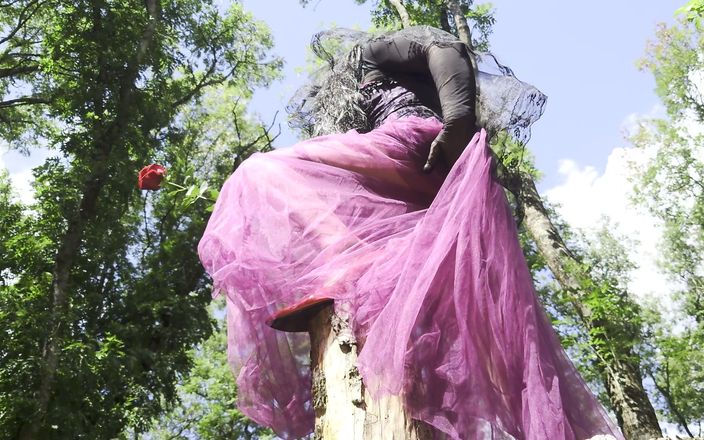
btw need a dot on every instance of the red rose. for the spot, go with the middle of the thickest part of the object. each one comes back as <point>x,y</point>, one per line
<point>150,177</point>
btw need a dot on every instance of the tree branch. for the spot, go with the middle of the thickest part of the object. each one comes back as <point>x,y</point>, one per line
<point>670,403</point>
<point>18,70</point>
<point>445,20</point>
<point>27,100</point>
<point>402,12</point>
<point>24,16</point>
<point>243,150</point>
<point>203,83</point>
<point>460,22</point>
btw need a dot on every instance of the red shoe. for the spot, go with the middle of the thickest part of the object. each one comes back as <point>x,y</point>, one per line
<point>296,318</point>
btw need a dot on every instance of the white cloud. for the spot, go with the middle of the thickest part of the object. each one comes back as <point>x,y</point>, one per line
<point>20,170</point>
<point>22,184</point>
<point>631,123</point>
<point>585,196</point>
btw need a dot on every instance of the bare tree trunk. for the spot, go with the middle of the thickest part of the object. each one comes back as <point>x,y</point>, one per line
<point>70,243</point>
<point>621,371</point>
<point>344,409</point>
<point>402,12</point>
<point>460,22</point>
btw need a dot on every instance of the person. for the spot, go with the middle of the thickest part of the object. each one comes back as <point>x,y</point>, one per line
<point>401,225</point>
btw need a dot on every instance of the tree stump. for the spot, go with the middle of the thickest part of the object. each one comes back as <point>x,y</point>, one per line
<point>344,409</point>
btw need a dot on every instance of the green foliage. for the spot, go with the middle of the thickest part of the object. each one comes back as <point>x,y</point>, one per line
<point>676,168</point>
<point>434,13</point>
<point>675,357</point>
<point>613,331</point>
<point>671,185</point>
<point>126,87</point>
<point>606,261</point>
<point>513,162</point>
<point>675,62</point>
<point>692,11</point>
<point>21,26</point>
<point>206,399</point>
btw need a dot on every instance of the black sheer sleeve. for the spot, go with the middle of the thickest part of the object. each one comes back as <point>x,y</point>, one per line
<point>451,71</point>
<point>449,67</point>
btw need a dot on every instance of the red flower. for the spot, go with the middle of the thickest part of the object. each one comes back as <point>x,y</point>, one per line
<point>150,177</point>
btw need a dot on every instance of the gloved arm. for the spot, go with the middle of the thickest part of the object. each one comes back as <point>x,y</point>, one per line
<point>453,76</point>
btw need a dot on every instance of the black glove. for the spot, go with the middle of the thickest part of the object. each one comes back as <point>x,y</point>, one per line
<point>450,143</point>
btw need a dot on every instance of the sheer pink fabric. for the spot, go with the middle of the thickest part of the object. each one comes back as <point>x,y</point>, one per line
<point>428,267</point>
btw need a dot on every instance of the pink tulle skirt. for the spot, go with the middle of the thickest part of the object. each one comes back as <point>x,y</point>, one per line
<point>428,267</point>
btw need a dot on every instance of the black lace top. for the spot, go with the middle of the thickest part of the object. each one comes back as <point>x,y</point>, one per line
<point>386,98</point>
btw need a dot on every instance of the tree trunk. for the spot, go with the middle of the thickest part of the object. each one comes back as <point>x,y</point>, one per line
<point>621,371</point>
<point>344,409</point>
<point>59,290</point>
<point>460,22</point>
<point>402,12</point>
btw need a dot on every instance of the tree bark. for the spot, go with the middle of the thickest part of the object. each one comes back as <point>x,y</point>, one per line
<point>344,409</point>
<point>621,371</point>
<point>460,22</point>
<point>402,12</point>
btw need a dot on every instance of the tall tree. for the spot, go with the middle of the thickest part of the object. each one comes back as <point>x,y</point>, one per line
<point>610,337</point>
<point>449,15</point>
<point>103,295</point>
<point>671,185</point>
